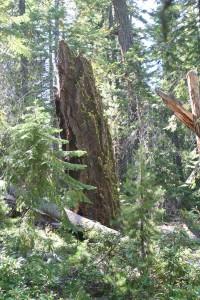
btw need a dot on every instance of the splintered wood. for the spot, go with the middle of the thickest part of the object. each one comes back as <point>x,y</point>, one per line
<point>190,119</point>
<point>193,88</point>
<point>180,112</point>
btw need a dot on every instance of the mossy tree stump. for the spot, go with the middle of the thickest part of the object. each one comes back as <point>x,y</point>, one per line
<point>80,112</point>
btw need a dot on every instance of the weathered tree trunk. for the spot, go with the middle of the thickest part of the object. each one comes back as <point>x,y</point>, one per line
<point>193,88</point>
<point>177,156</point>
<point>126,41</point>
<point>24,60</point>
<point>79,108</point>
<point>125,35</point>
<point>50,69</point>
<point>57,5</point>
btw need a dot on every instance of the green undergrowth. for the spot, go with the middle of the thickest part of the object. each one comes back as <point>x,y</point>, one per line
<point>50,264</point>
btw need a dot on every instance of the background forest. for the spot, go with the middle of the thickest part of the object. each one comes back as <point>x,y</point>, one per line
<point>147,166</point>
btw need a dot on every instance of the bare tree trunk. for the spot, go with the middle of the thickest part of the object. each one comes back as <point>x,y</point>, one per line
<point>51,81</point>
<point>22,7</point>
<point>56,29</point>
<point>193,87</point>
<point>79,108</point>
<point>125,36</point>
<point>177,156</point>
<point>24,60</point>
<point>54,34</point>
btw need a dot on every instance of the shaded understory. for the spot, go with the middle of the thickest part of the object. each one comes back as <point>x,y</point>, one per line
<point>46,264</point>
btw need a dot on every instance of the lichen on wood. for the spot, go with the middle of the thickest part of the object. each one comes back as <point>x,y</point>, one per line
<point>80,111</point>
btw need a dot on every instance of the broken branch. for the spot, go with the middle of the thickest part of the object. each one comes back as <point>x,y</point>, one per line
<point>180,112</point>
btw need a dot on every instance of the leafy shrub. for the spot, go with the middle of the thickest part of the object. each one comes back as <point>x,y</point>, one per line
<point>36,164</point>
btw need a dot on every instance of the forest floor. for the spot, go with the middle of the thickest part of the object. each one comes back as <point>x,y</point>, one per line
<point>172,227</point>
<point>48,264</point>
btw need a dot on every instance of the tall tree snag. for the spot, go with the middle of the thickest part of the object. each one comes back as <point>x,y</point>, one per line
<point>193,88</point>
<point>190,119</point>
<point>80,112</point>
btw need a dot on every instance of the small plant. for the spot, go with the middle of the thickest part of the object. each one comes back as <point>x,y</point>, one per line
<point>141,204</point>
<point>192,219</point>
<point>38,169</point>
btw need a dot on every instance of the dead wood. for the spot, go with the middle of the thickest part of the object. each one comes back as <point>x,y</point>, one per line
<point>177,108</point>
<point>193,88</point>
<point>50,211</point>
<point>87,224</point>
<point>79,109</point>
<point>190,119</point>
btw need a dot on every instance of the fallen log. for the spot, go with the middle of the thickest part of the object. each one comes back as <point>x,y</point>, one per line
<point>88,224</point>
<point>50,210</point>
<point>75,219</point>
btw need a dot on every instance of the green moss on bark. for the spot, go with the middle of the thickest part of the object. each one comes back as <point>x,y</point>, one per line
<point>81,110</point>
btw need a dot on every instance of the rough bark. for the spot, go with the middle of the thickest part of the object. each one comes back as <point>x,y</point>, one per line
<point>125,39</point>
<point>80,113</point>
<point>125,35</point>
